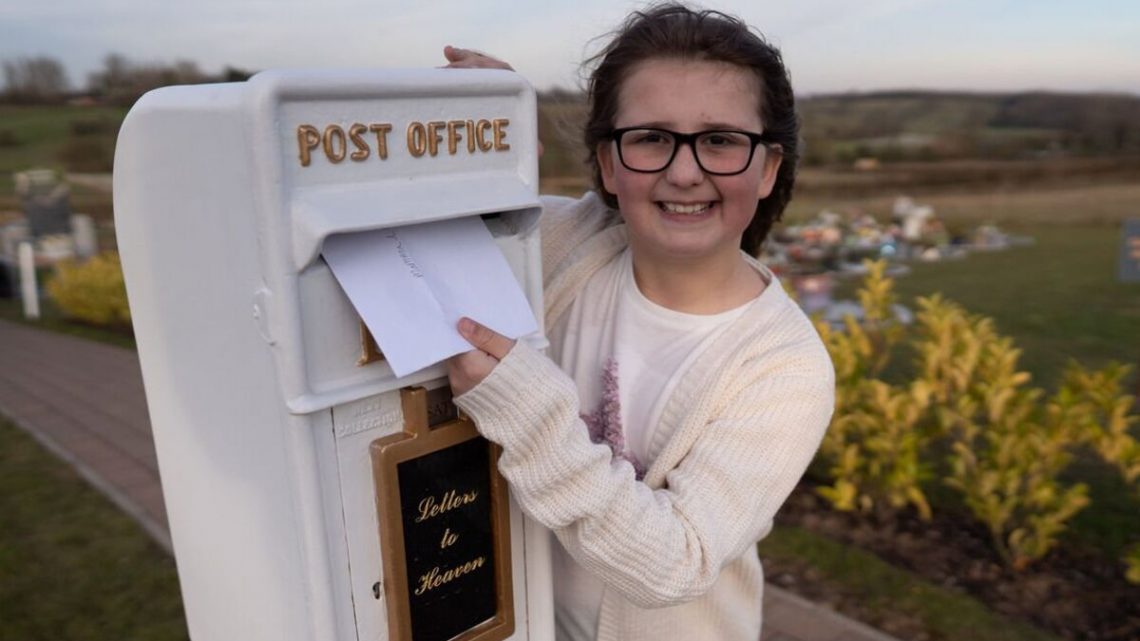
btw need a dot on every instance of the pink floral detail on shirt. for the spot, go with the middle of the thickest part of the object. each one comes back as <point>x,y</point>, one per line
<point>604,423</point>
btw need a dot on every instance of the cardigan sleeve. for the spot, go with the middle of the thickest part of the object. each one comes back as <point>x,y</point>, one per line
<point>658,547</point>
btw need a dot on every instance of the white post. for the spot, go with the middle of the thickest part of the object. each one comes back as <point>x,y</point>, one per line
<point>83,231</point>
<point>28,289</point>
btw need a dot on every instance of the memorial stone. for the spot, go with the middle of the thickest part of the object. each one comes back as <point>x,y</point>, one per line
<point>45,201</point>
<point>1129,269</point>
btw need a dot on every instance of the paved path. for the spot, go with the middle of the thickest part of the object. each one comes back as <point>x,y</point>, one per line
<point>84,401</point>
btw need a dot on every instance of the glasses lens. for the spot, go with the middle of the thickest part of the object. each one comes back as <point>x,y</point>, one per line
<point>718,152</point>
<point>646,149</point>
<point>724,152</point>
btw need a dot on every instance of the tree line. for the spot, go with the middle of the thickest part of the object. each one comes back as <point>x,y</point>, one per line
<point>120,81</point>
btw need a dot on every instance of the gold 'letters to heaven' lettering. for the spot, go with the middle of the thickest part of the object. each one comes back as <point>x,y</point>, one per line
<point>423,138</point>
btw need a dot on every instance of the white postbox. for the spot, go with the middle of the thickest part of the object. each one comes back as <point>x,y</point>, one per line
<point>264,403</point>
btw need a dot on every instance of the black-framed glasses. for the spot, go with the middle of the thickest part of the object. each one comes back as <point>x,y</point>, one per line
<point>719,152</point>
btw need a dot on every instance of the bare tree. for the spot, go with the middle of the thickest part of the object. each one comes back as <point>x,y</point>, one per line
<point>32,80</point>
<point>122,81</point>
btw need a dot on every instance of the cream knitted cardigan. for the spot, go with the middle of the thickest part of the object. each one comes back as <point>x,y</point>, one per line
<point>676,551</point>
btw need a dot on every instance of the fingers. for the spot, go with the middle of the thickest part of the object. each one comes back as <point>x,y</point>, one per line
<point>458,58</point>
<point>466,370</point>
<point>453,54</point>
<point>484,338</point>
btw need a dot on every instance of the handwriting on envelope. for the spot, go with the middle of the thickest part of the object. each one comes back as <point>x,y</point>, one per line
<point>412,284</point>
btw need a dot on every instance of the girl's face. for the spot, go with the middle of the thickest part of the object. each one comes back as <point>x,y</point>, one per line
<point>681,212</point>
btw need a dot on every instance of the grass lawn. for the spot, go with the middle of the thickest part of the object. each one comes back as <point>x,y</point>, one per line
<point>53,320</point>
<point>1059,299</point>
<point>885,595</point>
<point>72,566</point>
<point>39,133</point>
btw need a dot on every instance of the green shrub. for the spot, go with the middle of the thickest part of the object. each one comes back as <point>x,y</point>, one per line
<point>1008,442</point>
<point>1108,426</point>
<point>875,447</point>
<point>1132,563</point>
<point>874,444</point>
<point>92,291</point>
<point>1107,421</point>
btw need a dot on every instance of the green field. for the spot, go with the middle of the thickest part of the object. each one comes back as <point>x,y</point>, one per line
<point>72,566</point>
<point>64,138</point>
<point>38,134</point>
<point>1059,299</point>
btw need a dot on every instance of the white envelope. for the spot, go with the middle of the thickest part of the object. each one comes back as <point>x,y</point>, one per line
<point>412,284</point>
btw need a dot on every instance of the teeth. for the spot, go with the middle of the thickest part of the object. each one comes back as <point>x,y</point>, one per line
<point>677,208</point>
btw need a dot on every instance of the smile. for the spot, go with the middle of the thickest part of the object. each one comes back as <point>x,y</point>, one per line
<point>689,210</point>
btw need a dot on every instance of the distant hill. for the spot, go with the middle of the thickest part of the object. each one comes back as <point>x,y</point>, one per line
<point>924,125</point>
<point>917,125</point>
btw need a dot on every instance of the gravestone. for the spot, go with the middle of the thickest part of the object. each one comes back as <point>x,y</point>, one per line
<point>45,201</point>
<point>1129,270</point>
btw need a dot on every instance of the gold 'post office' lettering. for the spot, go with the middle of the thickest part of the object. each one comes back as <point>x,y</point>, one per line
<point>335,144</point>
<point>308,138</point>
<point>454,135</point>
<point>470,126</point>
<point>356,135</point>
<point>499,128</point>
<point>381,130</point>
<point>434,137</point>
<point>481,128</point>
<point>417,139</point>
<point>425,138</point>
<point>334,141</point>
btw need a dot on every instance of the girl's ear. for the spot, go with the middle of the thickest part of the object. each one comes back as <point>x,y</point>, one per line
<point>773,157</point>
<point>605,155</point>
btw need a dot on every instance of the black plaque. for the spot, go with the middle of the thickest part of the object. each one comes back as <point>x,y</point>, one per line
<point>448,547</point>
<point>444,529</point>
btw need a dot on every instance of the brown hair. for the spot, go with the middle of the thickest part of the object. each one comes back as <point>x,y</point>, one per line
<point>676,31</point>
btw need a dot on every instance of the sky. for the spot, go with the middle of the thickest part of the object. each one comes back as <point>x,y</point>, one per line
<point>829,45</point>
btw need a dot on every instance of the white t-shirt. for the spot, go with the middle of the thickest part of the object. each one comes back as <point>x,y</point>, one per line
<point>624,353</point>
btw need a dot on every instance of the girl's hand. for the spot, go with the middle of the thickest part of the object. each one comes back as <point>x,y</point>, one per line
<point>470,59</point>
<point>466,370</point>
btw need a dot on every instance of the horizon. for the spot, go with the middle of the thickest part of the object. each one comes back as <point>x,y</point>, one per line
<point>831,48</point>
<point>901,91</point>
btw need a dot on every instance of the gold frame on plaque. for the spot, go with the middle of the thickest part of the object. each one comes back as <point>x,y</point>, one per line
<point>419,439</point>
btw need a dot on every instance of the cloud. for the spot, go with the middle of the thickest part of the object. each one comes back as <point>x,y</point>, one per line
<point>829,44</point>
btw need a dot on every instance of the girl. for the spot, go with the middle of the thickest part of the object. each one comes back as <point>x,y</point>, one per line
<point>684,393</point>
